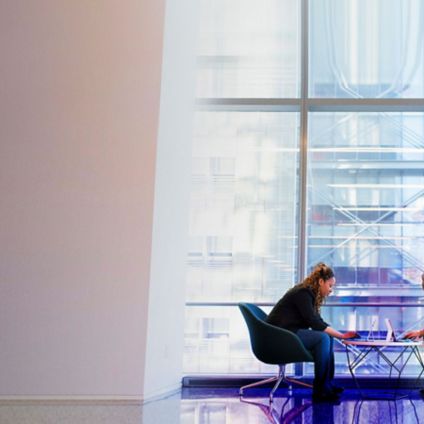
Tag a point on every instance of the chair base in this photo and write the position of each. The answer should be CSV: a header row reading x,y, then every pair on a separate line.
x,y
278,378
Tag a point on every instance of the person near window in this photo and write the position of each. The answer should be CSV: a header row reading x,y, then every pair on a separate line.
x,y
299,312
416,334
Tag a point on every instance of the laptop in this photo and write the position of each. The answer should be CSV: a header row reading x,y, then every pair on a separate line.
x,y
391,335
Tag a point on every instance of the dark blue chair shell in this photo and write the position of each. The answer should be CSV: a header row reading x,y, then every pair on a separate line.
x,y
272,345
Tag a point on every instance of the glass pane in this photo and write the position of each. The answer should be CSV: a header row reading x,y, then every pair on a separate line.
x,y
366,48
243,206
366,199
217,342
248,48
365,216
242,231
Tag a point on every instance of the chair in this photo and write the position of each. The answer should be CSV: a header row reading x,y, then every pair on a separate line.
x,y
272,345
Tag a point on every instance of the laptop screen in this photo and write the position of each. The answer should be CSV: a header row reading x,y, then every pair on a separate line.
x,y
390,335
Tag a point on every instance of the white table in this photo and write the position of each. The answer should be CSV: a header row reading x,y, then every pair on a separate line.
x,y
356,357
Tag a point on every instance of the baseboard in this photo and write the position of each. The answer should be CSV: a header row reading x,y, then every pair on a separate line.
x,y
162,393
86,399
94,399
236,381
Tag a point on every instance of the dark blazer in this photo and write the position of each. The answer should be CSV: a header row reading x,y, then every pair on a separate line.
x,y
295,310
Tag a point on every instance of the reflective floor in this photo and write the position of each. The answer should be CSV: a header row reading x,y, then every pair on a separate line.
x,y
221,406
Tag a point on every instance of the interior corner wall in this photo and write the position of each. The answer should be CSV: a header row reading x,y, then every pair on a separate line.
x,y
164,350
80,92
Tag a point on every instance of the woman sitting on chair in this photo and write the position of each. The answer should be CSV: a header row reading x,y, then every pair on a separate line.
x,y
299,311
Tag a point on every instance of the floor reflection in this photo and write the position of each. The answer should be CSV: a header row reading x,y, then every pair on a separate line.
x,y
221,406
387,411
297,408
286,414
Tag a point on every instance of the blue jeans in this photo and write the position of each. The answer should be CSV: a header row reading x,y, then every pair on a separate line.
x,y
320,345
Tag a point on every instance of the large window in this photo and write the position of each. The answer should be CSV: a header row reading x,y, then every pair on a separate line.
x,y
308,147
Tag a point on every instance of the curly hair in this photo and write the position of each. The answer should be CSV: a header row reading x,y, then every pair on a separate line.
x,y
319,271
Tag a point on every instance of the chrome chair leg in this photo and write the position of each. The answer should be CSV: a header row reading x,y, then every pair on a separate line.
x,y
289,380
257,383
301,383
278,379
281,373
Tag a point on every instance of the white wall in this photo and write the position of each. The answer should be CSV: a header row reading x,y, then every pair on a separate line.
x,y
173,175
79,88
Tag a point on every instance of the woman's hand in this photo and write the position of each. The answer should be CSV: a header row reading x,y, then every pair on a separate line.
x,y
350,335
413,334
334,333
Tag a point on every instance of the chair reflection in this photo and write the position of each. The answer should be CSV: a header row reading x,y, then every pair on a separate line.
x,y
290,410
